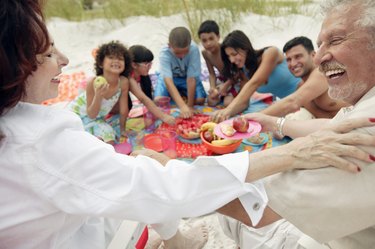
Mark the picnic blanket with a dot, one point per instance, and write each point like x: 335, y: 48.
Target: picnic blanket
x: 73, y: 84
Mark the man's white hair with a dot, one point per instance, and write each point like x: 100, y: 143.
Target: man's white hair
x: 367, y: 18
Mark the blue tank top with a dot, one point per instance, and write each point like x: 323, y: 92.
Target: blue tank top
x: 281, y: 82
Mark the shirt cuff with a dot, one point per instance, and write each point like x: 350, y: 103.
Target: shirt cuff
x: 255, y: 201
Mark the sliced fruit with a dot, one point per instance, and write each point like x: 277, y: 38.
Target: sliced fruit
x: 208, y: 126
x: 223, y: 142
x: 227, y: 130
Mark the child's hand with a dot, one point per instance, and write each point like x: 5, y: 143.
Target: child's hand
x: 186, y: 112
x: 168, y: 119
x: 213, y: 93
x: 223, y: 89
x: 123, y: 139
x: 123, y: 136
x: 220, y: 115
x: 101, y: 90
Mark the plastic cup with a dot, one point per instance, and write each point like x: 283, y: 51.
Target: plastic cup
x: 164, y: 103
x: 168, y: 139
x: 149, y: 120
x: 135, y: 138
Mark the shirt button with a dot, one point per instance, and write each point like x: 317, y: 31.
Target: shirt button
x: 256, y: 206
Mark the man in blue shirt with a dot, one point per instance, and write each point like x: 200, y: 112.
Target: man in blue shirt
x: 180, y: 69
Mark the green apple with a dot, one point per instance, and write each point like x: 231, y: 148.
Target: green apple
x: 99, y: 81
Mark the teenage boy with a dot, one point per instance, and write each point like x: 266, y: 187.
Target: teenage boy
x: 220, y: 89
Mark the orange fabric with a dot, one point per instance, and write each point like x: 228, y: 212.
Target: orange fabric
x: 69, y: 87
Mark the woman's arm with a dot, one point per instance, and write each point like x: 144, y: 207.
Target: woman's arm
x: 270, y: 58
x: 290, y: 128
x: 327, y: 147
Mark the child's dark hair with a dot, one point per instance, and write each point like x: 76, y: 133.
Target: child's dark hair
x: 142, y: 54
x: 300, y: 40
x: 209, y: 26
x: 113, y: 48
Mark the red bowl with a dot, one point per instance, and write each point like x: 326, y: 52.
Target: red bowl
x: 225, y: 149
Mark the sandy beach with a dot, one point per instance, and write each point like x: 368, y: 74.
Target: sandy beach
x: 78, y: 39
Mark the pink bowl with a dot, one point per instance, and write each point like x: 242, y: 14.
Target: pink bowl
x: 123, y: 148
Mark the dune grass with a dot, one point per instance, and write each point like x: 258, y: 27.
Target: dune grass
x: 224, y: 12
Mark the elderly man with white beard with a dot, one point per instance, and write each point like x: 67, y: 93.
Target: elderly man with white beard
x: 334, y: 208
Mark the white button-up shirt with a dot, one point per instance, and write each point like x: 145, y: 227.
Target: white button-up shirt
x: 56, y: 181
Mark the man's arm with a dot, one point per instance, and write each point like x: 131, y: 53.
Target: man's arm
x: 314, y: 87
x: 235, y: 210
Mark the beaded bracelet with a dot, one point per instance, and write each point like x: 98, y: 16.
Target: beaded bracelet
x: 280, y: 123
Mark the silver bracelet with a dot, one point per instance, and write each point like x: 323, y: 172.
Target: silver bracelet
x: 280, y: 124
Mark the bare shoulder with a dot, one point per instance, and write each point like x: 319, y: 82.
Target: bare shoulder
x: 124, y: 83
x: 205, y: 53
x: 273, y: 54
x: 317, y: 78
x: 208, y: 57
x: 90, y: 84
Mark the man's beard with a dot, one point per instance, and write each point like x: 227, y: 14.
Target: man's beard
x: 350, y: 92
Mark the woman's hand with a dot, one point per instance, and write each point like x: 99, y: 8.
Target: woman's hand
x: 334, y: 146
x: 161, y: 158
x: 268, y: 122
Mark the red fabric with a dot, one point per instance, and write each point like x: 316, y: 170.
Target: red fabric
x: 185, y: 150
x: 141, y: 244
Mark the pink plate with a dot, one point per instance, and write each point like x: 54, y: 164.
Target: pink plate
x: 254, y: 128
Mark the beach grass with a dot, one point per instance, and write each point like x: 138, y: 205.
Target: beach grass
x: 224, y: 12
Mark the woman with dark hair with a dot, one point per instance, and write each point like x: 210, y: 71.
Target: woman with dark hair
x: 140, y: 82
x: 264, y: 70
x: 58, y: 183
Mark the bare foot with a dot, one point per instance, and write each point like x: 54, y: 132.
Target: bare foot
x: 195, y: 238
x: 154, y: 241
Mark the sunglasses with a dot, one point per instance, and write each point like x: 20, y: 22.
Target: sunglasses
x: 145, y: 64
